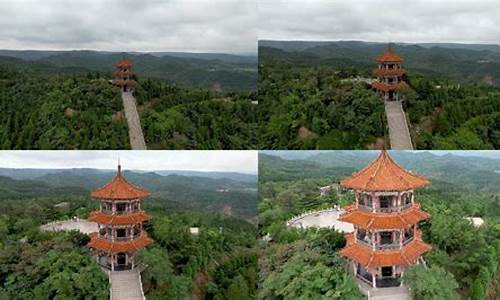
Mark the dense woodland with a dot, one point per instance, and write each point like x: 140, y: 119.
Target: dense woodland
x: 58, y: 109
x: 219, y: 263
x: 309, y: 100
x: 463, y: 263
x: 174, y: 117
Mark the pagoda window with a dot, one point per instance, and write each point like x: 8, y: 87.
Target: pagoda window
x: 121, y: 233
x: 107, y: 207
x: 121, y: 207
x: 385, y: 237
x: 135, y: 206
x: 385, y: 201
x: 365, y: 200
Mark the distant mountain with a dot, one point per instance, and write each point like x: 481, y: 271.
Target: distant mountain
x: 226, y: 71
x: 215, y: 175
x: 474, y: 173
x: 191, y: 192
x: 36, y: 173
x: 467, y: 62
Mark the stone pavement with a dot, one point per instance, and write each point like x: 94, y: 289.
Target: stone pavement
x: 134, y: 122
x: 126, y: 285
x: 399, y: 134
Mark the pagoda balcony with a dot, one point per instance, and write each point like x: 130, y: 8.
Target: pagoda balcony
x: 385, y: 209
x: 387, y: 246
x: 120, y: 212
x: 127, y: 238
x: 386, y: 72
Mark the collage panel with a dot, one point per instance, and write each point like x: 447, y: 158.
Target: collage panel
x: 379, y: 224
x: 113, y: 74
x: 249, y: 149
x: 128, y: 225
x: 386, y: 75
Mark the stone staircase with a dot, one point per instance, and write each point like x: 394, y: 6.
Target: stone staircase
x: 126, y: 285
x: 134, y: 123
x: 399, y: 134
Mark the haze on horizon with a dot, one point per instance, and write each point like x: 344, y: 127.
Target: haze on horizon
x: 223, y: 26
x: 400, y: 21
x: 151, y: 160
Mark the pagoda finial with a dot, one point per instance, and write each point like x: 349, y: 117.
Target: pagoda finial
x: 119, y: 167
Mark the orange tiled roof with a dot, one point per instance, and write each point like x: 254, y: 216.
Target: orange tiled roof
x: 369, y: 258
x: 132, y: 218
x: 371, y: 220
x: 108, y: 246
x: 124, y: 63
x: 119, y: 189
x: 389, y: 56
x: 382, y: 72
x: 383, y: 174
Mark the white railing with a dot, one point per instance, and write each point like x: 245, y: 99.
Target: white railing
x: 385, y: 209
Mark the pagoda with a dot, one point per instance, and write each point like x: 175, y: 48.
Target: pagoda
x: 120, y: 220
x: 389, y: 76
x: 124, y: 76
x: 386, y: 239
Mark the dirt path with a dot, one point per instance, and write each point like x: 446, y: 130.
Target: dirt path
x: 134, y: 122
x: 399, y: 133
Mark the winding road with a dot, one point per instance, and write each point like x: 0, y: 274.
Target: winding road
x: 399, y: 134
x: 134, y: 122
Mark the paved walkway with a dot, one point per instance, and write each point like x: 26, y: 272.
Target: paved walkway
x: 126, y: 285
x: 399, y: 134
x: 323, y: 219
x: 83, y: 226
x: 134, y: 122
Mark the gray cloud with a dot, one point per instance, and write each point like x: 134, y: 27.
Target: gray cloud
x: 130, y: 25
x: 224, y: 161
x: 467, y: 21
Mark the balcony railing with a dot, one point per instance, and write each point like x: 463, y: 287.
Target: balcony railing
x: 121, y: 238
x: 387, y: 246
x: 385, y: 209
x: 367, y: 277
x: 394, y: 245
x: 119, y: 212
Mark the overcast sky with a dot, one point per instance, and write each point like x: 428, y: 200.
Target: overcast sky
x: 221, y: 161
x: 463, y: 21
x: 130, y: 25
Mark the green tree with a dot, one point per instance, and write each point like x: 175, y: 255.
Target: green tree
x: 433, y: 283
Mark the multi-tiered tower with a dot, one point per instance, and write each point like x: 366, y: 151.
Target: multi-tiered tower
x: 386, y: 239
x: 124, y: 77
x: 390, y: 76
x: 120, y: 219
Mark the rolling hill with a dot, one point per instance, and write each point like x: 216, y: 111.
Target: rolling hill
x: 226, y: 71
x: 463, y: 172
x: 173, y: 191
x: 460, y: 62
